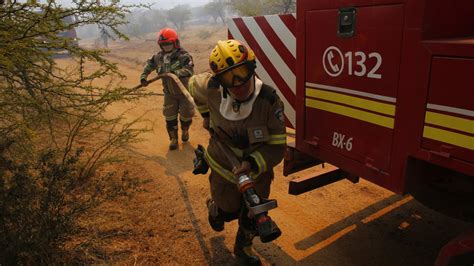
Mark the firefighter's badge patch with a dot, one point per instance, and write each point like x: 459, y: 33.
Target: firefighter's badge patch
x: 258, y: 134
x: 279, y: 115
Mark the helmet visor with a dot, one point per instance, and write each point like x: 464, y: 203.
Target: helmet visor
x: 235, y: 77
x: 167, y: 46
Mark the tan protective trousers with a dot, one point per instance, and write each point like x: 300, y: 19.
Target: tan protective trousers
x: 177, y: 104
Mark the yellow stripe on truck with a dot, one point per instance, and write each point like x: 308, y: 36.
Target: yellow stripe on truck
x: 383, y: 108
x: 450, y: 137
x: 448, y: 121
x: 372, y: 118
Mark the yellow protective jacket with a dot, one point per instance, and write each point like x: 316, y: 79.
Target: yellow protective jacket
x: 260, y: 138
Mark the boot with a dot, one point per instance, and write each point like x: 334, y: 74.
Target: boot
x: 173, y: 133
x: 216, y: 223
x: 185, y: 134
x: 243, y: 247
x: 185, y: 129
x: 267, y: 229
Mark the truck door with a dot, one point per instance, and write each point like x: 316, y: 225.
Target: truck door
x: 449, y: 118
x: 351, y: 80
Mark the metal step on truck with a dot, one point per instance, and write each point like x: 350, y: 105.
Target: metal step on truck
x: 381, y: 89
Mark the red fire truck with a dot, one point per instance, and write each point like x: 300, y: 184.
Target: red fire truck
x: 382, y: 89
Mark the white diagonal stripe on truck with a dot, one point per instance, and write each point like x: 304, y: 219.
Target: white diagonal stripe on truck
x: 272, y: 55
x: 263, y: 74
x: 286, y: 36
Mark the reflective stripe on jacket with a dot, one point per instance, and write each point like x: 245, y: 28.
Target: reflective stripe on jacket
x: 261, y: 136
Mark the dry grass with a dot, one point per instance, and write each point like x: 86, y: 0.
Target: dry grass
x: 138, y: 228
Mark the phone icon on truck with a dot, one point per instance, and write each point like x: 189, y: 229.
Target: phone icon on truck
x: 334, y: 67
x: 329, y: 61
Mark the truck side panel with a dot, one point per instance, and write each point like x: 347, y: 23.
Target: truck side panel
x: 417, y: 103
x: 352, y: 83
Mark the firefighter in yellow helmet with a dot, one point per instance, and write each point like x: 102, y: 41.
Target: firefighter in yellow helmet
x: 172, y: 59
x: 246, y: 115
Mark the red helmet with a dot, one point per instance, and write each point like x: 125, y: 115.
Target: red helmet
x: 167, y: 35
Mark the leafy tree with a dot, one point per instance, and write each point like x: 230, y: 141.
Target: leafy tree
x: 248, y: 7
x: 152, y: 20
x: 263, y: 7
x: 178, y: 15
x: 105, y: 36
x: 280, y: 6
x: 217, y: 9
x: 55, y: 136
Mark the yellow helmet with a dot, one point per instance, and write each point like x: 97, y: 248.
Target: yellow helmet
x: 230, y: 54
x: 232, y: 62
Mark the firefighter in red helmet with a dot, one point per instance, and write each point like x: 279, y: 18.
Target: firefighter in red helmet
x: 246, y: 115
x: 172, y: 58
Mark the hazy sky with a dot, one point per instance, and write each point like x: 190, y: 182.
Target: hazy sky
x: 165, y: 4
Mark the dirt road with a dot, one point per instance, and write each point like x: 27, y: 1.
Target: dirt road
x: 165, y: 222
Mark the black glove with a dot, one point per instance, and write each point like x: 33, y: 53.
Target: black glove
x: 200, y: 164
x: 144, y: 82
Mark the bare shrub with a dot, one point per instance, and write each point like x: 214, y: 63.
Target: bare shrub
x: 41, y: 200
x: 204, y: 34
x: 56, y: 141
